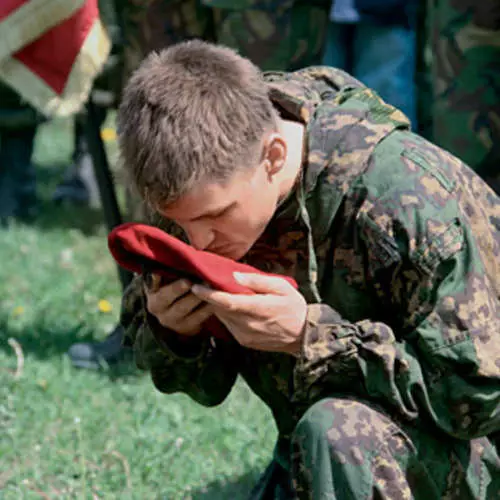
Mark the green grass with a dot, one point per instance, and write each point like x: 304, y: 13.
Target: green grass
x: 67, y: 433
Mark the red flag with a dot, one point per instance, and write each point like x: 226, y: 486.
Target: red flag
x: 55, y: 55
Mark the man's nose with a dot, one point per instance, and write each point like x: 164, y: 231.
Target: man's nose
x: 200, y: 237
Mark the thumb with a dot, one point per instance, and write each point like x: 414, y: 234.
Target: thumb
x: 261, y: 283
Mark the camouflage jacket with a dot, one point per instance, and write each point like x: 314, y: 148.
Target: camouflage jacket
x: 395, y: 244
x: 273, y: 34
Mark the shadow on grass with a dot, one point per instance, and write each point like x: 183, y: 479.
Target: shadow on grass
x: 233, y: 489
x: 46, y: 342
x: 53, y: 215
x: 41, y: 340
x: 66, y: 216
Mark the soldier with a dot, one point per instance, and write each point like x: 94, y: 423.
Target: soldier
x: 382, y: 371
x: 274, y: 34
x: 466, y: 73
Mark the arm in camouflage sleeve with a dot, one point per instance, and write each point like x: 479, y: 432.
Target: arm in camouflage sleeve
x: 439, y: 358
x: 203, y: 369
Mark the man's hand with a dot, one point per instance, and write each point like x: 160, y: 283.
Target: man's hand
x: 271, y: 320
x: 175, y: 307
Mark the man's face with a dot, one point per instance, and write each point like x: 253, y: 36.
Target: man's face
x: 227, y: 219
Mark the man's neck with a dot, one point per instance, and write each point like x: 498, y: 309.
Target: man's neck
x: 294, y: 134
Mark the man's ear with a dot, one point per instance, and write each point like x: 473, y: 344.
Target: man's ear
x: 276, y: 153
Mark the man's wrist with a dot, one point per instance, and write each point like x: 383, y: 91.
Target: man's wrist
x: 295, y: 348
x: 181, y: 345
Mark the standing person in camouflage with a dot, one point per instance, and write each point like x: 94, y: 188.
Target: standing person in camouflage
x: 466, y: 46
x: 274, y: 34
x: 382, y: 371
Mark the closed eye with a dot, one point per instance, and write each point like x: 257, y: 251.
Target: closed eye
x: 215, y: 214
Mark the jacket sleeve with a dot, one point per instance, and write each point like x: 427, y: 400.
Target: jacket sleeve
x: 202, y: 368
x: 437, y: 356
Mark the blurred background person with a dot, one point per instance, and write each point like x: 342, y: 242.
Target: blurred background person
x: 78, y: 184
x: 465, y: 37
x: 18, y: 126
x: 375, y: 41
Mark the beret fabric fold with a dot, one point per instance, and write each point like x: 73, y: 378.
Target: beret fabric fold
x: 142, y: 248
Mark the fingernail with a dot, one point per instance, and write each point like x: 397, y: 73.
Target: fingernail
x: 238, y: 276
x: 195, y: 289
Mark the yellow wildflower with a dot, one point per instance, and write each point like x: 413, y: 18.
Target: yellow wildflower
x: 105, y: 306
x: 18, y: 311
x: 108, y: 134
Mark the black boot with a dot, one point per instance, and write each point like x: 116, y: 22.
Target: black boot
x: 101, y: 354
x: 71, y: 188
x: 79, y: 185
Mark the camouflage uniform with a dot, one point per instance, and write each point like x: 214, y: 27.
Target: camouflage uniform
x: 423, y: 73
x: 395, y: 245
x: 466, y: 47
x: 274, y: 34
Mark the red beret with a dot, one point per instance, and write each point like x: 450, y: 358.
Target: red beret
x: 139, y: 248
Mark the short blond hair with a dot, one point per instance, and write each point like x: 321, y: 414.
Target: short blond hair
x: 195, y: 112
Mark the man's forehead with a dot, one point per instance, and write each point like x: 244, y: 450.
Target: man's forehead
x: 194, y: 206
x: 209, y: 198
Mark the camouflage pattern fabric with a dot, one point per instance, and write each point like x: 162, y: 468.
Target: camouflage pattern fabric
x: 274, y: 34
x: 155, y: 24
x: 466, y: 47
x: 367, y: 455
x: 423, y: 72
x: 395, y: 244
